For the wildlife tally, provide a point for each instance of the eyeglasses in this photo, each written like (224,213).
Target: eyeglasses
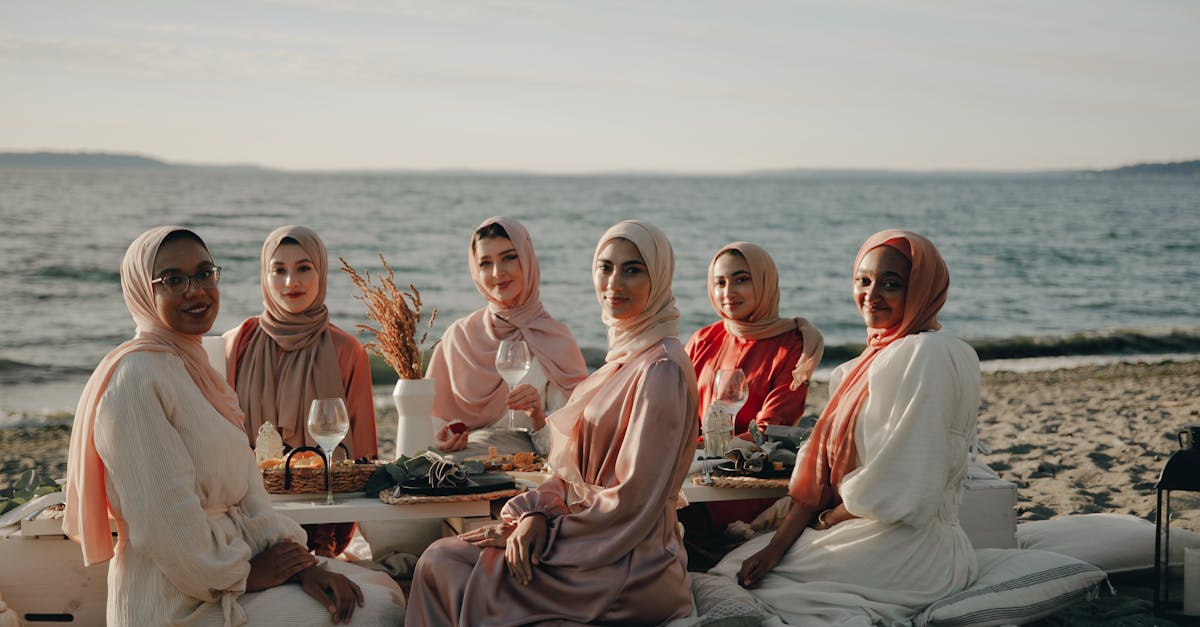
(205,279)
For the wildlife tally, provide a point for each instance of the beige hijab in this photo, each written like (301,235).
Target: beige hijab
(468,388)
(764,321)
(626,338)
(86,518)
(290,358)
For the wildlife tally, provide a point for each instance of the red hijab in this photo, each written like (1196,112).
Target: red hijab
(831,452)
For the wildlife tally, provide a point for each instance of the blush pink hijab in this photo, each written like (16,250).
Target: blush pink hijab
(467,386)
(86,519)
(626,339)
(831,452)
(764,321)
(290,358)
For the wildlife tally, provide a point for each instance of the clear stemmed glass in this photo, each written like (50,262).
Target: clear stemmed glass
(512,362)
(729,394)
(328,423)
(730,389)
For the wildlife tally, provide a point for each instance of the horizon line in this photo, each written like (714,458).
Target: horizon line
(452,170)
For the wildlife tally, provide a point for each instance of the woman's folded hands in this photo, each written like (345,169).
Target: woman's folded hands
(523,543)
(291,561)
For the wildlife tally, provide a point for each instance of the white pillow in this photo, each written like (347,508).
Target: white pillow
(1115,543)
(721,601)
(1015,586)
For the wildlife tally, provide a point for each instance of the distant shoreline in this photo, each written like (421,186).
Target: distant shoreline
(100,160)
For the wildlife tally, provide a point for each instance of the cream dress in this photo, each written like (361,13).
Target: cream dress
(906,549)
(191,511)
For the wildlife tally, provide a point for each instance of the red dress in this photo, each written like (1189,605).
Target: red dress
(768,364)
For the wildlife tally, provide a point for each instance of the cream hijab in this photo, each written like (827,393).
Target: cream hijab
(86,519)
(764,321)
(468,388)
(290,358)
(626,339)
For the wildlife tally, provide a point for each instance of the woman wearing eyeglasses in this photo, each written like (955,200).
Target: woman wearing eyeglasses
(158,451)
(283,358)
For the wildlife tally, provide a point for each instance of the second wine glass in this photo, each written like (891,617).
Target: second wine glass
(512,362)
(729,392)
(328,423)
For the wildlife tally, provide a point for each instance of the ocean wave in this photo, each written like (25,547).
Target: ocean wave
(1115,343)
(19,373)
(89,274)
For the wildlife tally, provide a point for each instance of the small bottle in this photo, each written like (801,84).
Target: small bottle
(268,444)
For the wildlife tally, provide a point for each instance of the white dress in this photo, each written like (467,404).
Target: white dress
(191,510)
(906,549)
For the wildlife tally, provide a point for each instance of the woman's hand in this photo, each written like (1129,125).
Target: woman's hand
(278,564)
(758,565)
(525,398)
(831,517)
(447,441)
(524,547)
(494,535)
(335,591)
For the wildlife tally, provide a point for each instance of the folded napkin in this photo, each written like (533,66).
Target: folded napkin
(747,462)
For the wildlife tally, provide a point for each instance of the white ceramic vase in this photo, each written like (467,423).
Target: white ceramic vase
(414,403)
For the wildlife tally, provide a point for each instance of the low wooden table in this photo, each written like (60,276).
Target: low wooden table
(744,488)
(354,507)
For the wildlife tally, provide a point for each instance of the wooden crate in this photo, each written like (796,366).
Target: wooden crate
(43,579)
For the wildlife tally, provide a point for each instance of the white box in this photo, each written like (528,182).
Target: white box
(44,580)
(988,513)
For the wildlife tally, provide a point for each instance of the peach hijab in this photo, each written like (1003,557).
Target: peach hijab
(626,338)
(831,452)
(764,321)
(86,519)
(290,358)
(467,386)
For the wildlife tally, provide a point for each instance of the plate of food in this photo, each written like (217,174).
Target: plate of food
(483,482)
(772,470)
(520,462)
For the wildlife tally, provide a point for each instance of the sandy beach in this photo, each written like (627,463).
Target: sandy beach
(1080,440)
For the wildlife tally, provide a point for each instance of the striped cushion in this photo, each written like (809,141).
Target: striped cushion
(1016,586)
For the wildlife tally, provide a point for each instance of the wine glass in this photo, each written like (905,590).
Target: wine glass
(730,394)
(328,423)
(512,362)
(730,389)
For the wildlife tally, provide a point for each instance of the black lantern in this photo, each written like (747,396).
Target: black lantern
(1182,472)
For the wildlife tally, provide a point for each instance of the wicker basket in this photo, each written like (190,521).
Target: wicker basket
(342,477)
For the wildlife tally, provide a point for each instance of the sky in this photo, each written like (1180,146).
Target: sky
(567,86)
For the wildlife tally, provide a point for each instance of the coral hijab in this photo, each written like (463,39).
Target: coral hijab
(86,518)
(764,321)
(626,339)
(831,452)
(290,358)
(467,386)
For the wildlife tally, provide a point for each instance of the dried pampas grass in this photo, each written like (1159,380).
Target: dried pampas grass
(398,314)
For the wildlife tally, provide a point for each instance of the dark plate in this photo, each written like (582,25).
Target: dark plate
(483,482)
(728,468)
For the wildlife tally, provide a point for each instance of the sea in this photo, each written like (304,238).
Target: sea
(1068,267)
